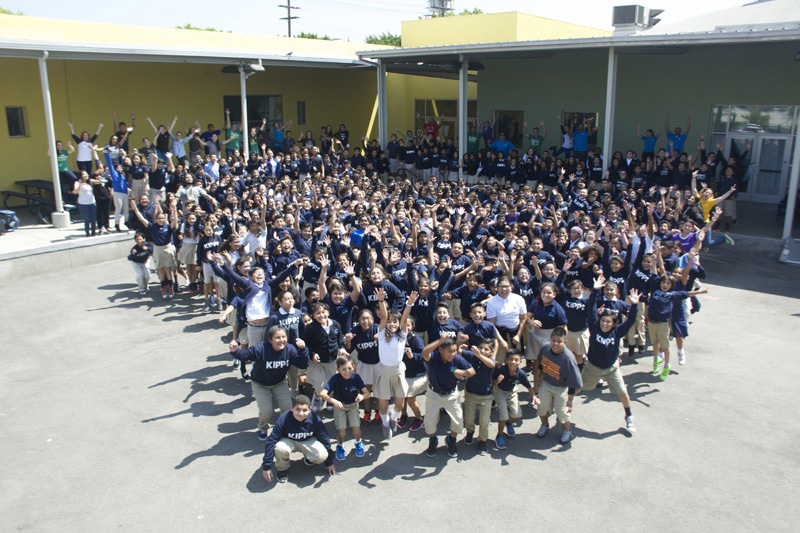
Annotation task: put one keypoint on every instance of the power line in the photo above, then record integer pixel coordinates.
(289, 18)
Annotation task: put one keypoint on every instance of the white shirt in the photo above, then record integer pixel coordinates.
(251, 242)
(85, 194)
(506, 310)
(391, 353)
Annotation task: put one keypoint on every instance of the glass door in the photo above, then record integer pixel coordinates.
(766, 161)
(771, 168)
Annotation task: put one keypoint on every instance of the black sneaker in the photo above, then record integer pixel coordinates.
(468, 438)
(236, 364)
(451, 446)
(307, 462)
(283, 476)
(631, 351)
(433, 443)
(482, 448)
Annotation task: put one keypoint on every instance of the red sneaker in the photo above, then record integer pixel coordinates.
(367, 417)
(377, 418)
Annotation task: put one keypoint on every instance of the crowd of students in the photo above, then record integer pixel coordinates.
(357, 278)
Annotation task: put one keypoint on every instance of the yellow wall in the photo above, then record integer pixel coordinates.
(402, 90)
(88, 92)
(490, 28)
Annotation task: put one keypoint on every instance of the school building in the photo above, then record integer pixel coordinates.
(735, 71)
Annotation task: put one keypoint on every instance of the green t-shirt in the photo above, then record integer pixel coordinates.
(536, 143)
(473, 141)
(63, 161)
(236, 142)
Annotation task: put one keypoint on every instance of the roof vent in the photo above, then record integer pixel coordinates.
(627, 20)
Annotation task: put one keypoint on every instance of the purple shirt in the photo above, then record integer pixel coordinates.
(686, 242)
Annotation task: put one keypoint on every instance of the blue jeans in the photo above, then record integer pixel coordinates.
(89, 214)
(713, 241)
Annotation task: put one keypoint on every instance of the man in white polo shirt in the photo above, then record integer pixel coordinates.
(508, 312)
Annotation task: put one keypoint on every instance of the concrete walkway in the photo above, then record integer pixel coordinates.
(122, 413)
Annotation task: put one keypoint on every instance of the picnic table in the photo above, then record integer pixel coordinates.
(35, 200)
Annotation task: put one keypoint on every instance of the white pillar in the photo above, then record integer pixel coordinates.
(59, 216)
(245, 129)
(794, 178)
(611, 96)
(463, 78)
(383, 113)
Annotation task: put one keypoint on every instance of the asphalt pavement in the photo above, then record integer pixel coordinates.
(120, 412)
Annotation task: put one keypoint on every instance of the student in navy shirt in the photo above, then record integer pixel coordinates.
(297, 430)
(445, 368)
(545, 314)
(469, 294)
(659, 312)
(291, 319)
(605, 335)
(271, 362)
(443, 326)
(325, 342)
(345, 390)
(478, 394)
(505, 379)
(163, 251)
(479, 329)
(363, 339)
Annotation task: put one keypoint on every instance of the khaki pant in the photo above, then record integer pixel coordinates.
(347, 417)
(483, 405)
(592, 374)
(319, 374)
(637, 336)
(659, 334)
(138, 189)
(549, 396)
(578, 343)
(255, 334)
(265, 396)
(450, 403)
(537, 338)
(507, 404)
(454, 306)
(312, 449)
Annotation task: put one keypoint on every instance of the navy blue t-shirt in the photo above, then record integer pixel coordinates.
(365, 344)
(478, 332)
(481, 382)
(440, 373)
(345, 390)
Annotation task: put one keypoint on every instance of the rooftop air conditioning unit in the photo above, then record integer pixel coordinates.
(633, 18)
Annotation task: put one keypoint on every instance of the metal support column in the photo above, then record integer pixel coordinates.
(463, 78)
(245, 130)
(383, 113)
(60, 217)
(794, 178)
(611, 96)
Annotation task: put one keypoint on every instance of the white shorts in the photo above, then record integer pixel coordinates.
(208, 274)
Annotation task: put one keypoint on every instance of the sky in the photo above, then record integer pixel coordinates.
(349, 20)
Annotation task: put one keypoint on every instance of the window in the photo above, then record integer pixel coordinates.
(752, 119)
(258, 107)
(17, 126)
(301, 112)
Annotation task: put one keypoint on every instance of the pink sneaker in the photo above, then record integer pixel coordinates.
(417, 425)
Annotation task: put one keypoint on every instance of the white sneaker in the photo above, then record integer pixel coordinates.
(542, 431)
(681, 358)
(566, 436)
(629, 423)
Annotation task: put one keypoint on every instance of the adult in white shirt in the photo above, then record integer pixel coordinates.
(508, 312)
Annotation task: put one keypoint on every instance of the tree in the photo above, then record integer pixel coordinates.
(4, 11)
(476, 11)
(190, 27)
(388, 39)
(305, 35)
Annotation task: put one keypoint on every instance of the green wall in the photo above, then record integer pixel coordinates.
(686, 81)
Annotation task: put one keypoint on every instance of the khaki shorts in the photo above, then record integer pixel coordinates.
(550, 396)
(591, 375)
(417, 386)
(188, 254)
(164, 256)
(451, 403)
(507, 404)
(347, 417)
(578, 342)
(369, 373)
(659, 334)
(391, 382)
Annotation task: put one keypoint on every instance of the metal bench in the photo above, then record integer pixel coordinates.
(37, 205)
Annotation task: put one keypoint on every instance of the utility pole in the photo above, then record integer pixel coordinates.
(288, 18)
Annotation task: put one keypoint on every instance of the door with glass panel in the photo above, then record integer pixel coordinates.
(770, 169)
